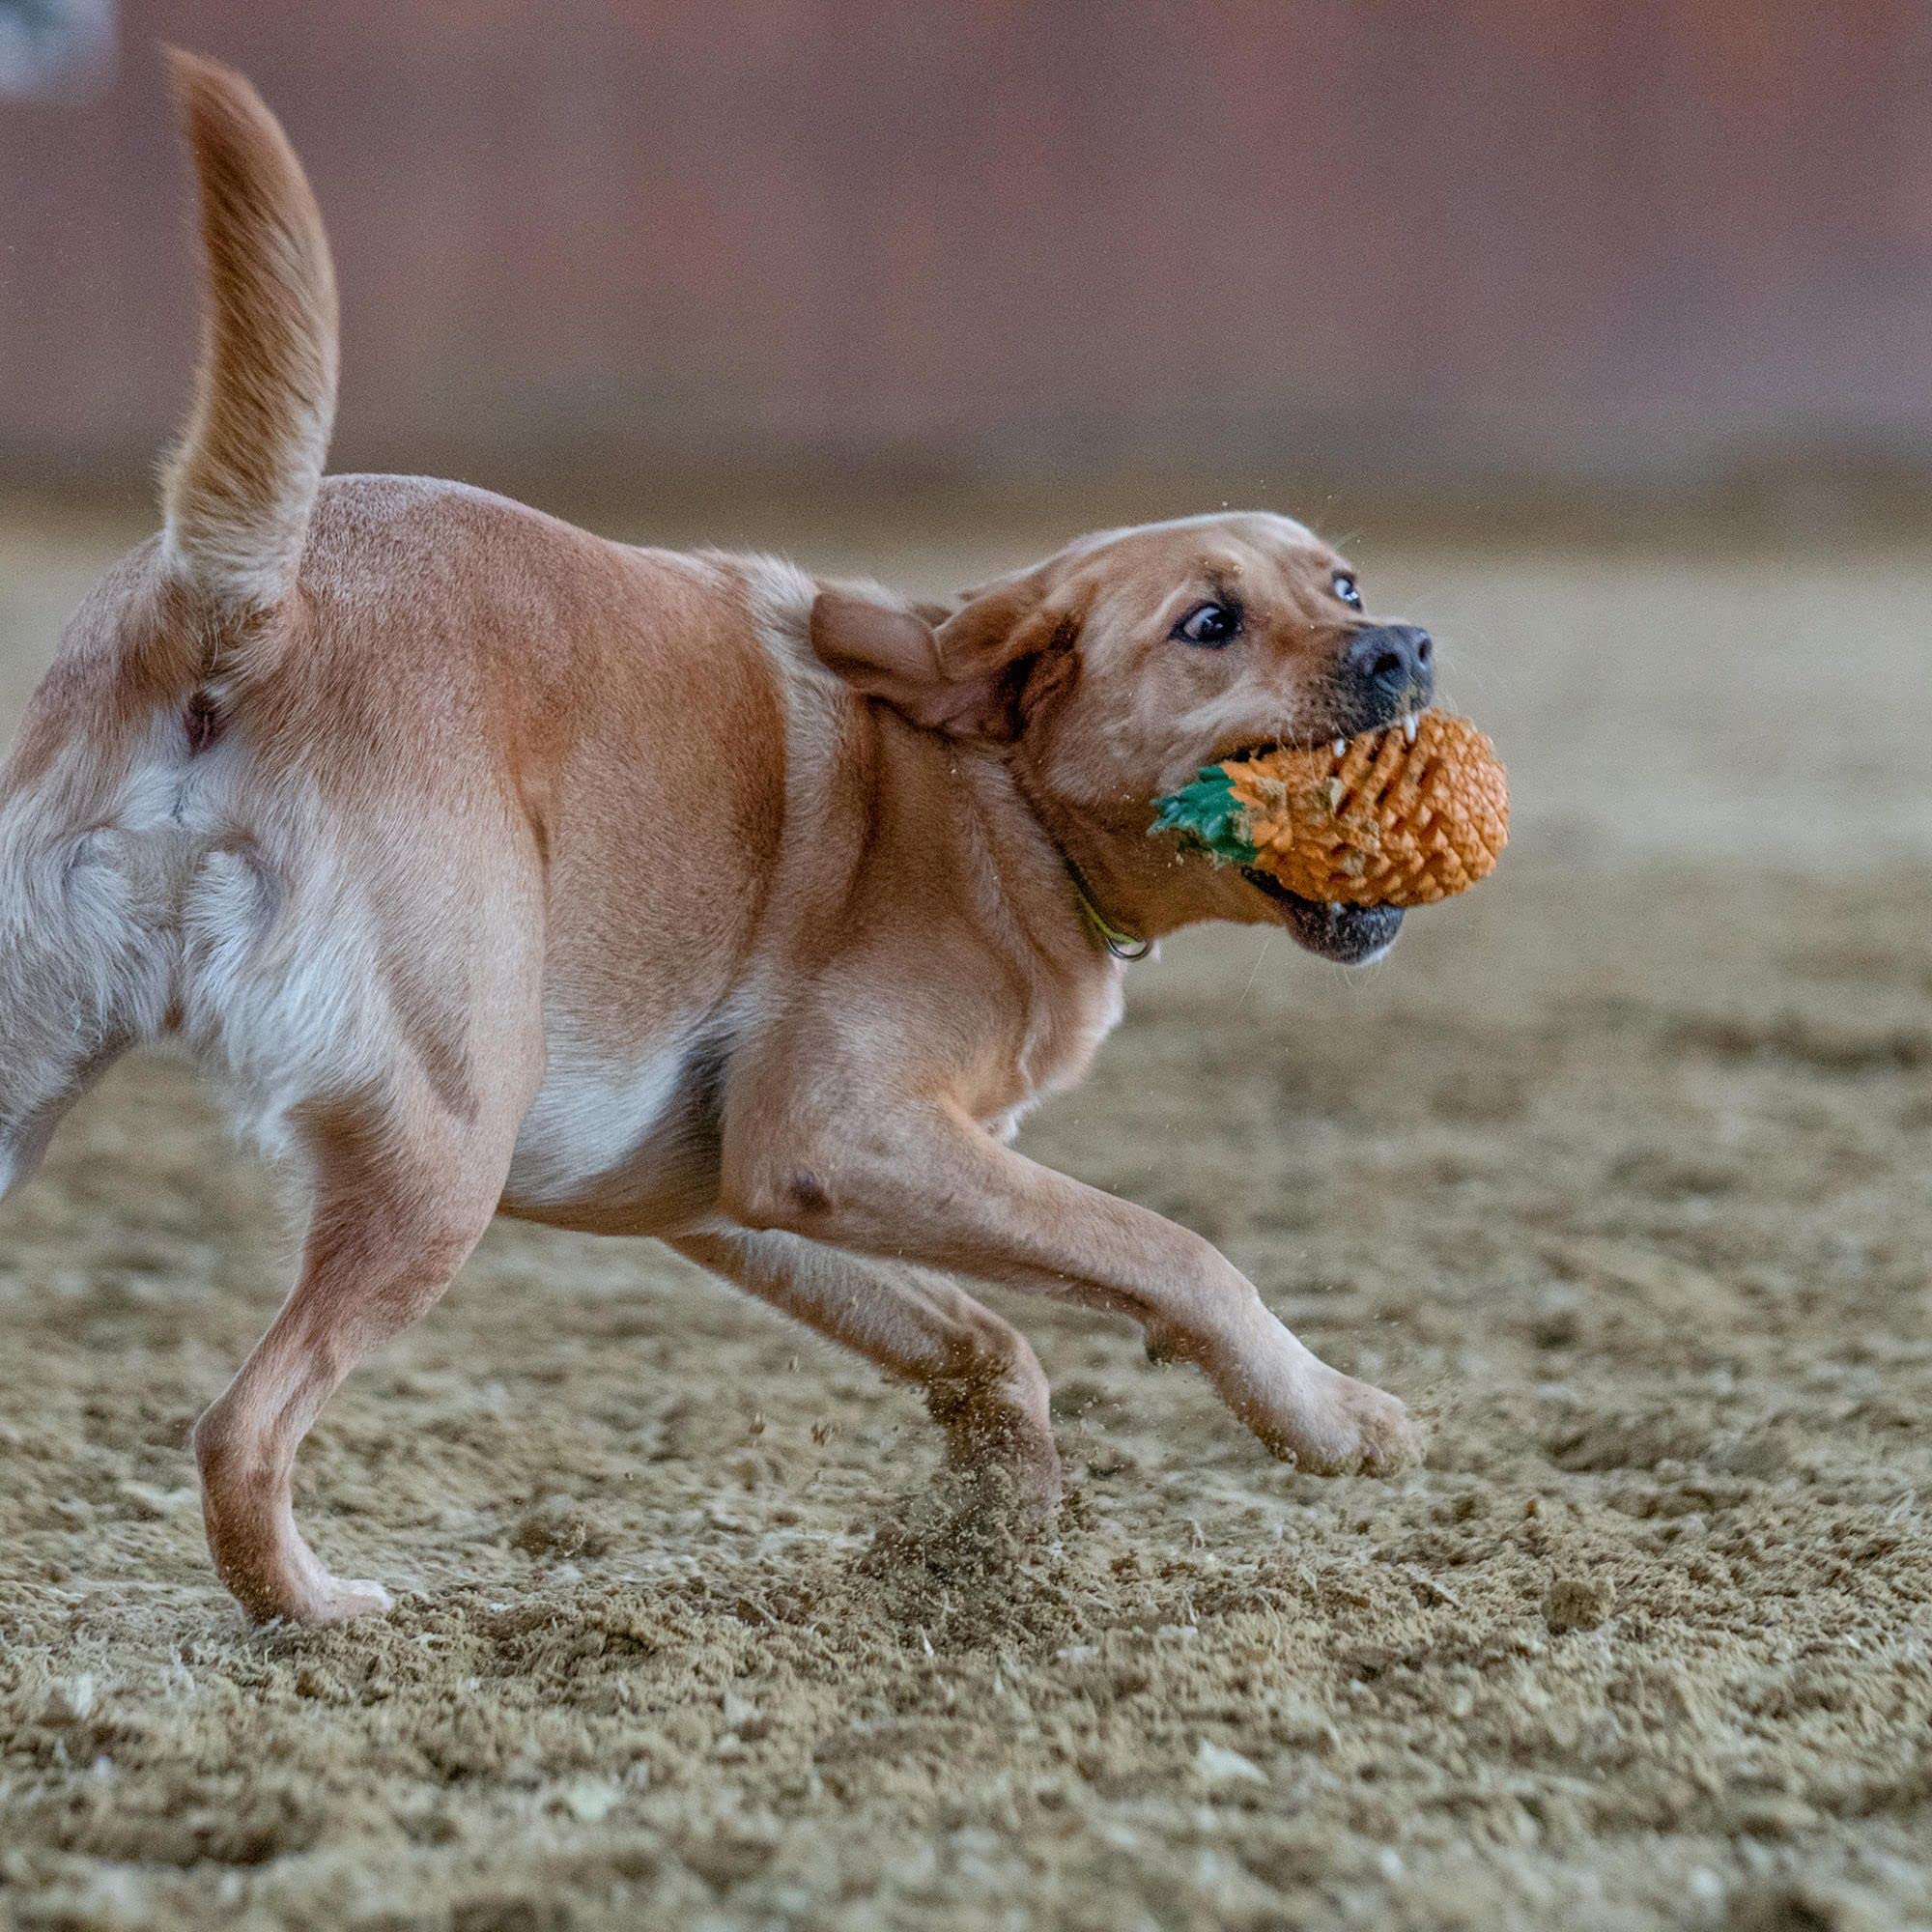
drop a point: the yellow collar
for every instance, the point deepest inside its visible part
(1122, 945)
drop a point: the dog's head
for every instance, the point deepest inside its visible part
(1122, 664)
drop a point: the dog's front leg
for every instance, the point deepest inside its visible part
(980, 1378)
(921, 1182)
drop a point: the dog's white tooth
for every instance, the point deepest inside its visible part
(1340, 748)
(1410, 727)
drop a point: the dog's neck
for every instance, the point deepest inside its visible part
(1138, 886)
(1038, 854)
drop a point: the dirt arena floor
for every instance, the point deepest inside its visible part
(1620, 1172)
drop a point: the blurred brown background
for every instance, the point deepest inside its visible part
(1478, 252)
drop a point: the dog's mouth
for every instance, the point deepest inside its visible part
(1350, 935)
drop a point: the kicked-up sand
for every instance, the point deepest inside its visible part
(1620, 1172)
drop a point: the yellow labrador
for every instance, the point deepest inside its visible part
(499, 867)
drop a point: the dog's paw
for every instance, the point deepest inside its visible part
(333, 1601)
(1305, 1411)
(1346, 1428)
(1004, 1479)
(1327, 1423)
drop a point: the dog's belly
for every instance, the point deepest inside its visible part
(616, 1147)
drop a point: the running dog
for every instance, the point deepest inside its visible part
(497, 867)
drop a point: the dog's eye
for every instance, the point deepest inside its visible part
(1348, 590)
(1209, 624)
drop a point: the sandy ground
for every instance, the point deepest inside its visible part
(1620, 1172)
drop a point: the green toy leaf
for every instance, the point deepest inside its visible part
(1208, 814)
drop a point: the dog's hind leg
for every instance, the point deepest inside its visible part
(84, 973)
(401, 1197)
(26, 1130)
(407, 1165)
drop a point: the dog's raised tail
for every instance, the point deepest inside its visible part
(238, 490)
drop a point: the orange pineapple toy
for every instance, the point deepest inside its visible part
(1400, 817)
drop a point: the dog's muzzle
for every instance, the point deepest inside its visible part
(1386, 673)
(1350, 935)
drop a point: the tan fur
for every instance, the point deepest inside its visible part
(238, 490)
(632, 892)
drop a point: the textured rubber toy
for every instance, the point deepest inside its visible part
(1382, 822)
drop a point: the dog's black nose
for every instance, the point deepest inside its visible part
(1393, 664)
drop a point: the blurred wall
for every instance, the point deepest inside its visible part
(997, 240)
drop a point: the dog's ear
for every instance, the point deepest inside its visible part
(963, 676)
